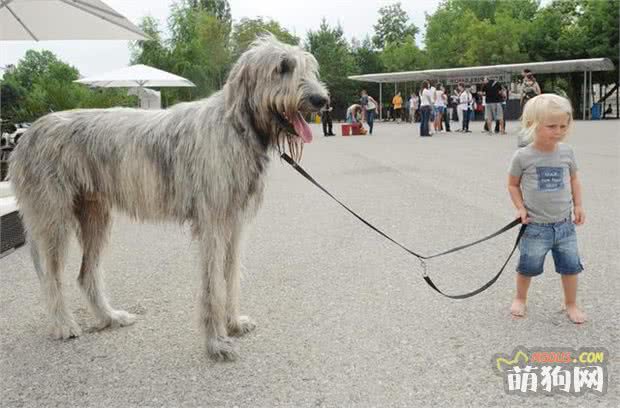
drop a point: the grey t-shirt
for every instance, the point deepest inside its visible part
(545, 181)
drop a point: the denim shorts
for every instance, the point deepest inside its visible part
(539, 239)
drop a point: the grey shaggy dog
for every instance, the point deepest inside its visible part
(201, 163)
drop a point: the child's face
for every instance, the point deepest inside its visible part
(553, 129)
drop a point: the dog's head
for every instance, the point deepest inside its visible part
(274, 85)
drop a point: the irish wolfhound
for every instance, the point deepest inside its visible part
(200, 162)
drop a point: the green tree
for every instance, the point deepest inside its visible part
(220, 9)
(404, 56)
(41, 83)
(197, 50)
(12, 95)
(523, 10)
(43, 64)
(465, 33)
(247, 30)
(600, 26)
(494, 43)
(367, 61)
(152, 52)
(554, 33)
(336, 63)
(393, 26)
(367, 58)
(182, 21)
(443, 39)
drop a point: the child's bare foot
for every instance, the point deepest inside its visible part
(518, 308)
(575, 314)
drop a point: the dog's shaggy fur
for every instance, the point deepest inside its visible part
(200, 162)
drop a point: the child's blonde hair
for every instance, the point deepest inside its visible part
(540, 108)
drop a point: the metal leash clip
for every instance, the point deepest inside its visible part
(424, 267)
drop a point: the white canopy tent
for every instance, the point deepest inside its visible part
(139, 77)
(587, 66)
(38, 20)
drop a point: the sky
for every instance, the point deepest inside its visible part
(298, 16)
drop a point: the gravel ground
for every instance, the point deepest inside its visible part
(344, 318)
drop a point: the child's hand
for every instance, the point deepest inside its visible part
(522, 213)
(580, 215)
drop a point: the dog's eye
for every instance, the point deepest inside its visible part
(286, 66)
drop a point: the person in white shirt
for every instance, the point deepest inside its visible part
(464, 107)
(439, 107)
(426, 103)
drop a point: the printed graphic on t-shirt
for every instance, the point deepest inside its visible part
(550, 178)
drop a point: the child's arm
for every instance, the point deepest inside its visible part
(514, 188)
(580, 214)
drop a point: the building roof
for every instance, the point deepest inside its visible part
(548, 67)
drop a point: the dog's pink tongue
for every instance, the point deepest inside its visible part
(302, 128)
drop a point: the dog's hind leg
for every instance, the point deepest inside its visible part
(94, 228)
(213, 313)
(237, 325)
(49, 251)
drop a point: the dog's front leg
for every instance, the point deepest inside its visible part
(237, 325)
(219, 345)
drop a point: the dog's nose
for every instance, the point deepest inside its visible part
(318, 101)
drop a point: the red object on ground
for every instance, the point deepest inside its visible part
(356, 129)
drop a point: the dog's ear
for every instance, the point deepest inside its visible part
(286, 66)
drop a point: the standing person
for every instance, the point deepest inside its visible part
(501, 126)
(448, 110)
(465, 101)
(326, 117)
(529, 88)
(544, 188)
(433, 91)
(476, 103)
(454, 103)
(439, 107)
(405, 110)
(409, 111)
(397, 101)
(491, 89)
(425, 109)
(416, 107)
(371, 109)
(364, 103)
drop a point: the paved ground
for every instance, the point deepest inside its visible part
(344, 316)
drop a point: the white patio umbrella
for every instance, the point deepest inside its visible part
(41, 20)
(136, 76)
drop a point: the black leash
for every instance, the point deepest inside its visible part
(422, 258)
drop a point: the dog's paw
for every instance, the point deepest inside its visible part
(241, 326)
(64, 331)
(117, 318)
(222, 348)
